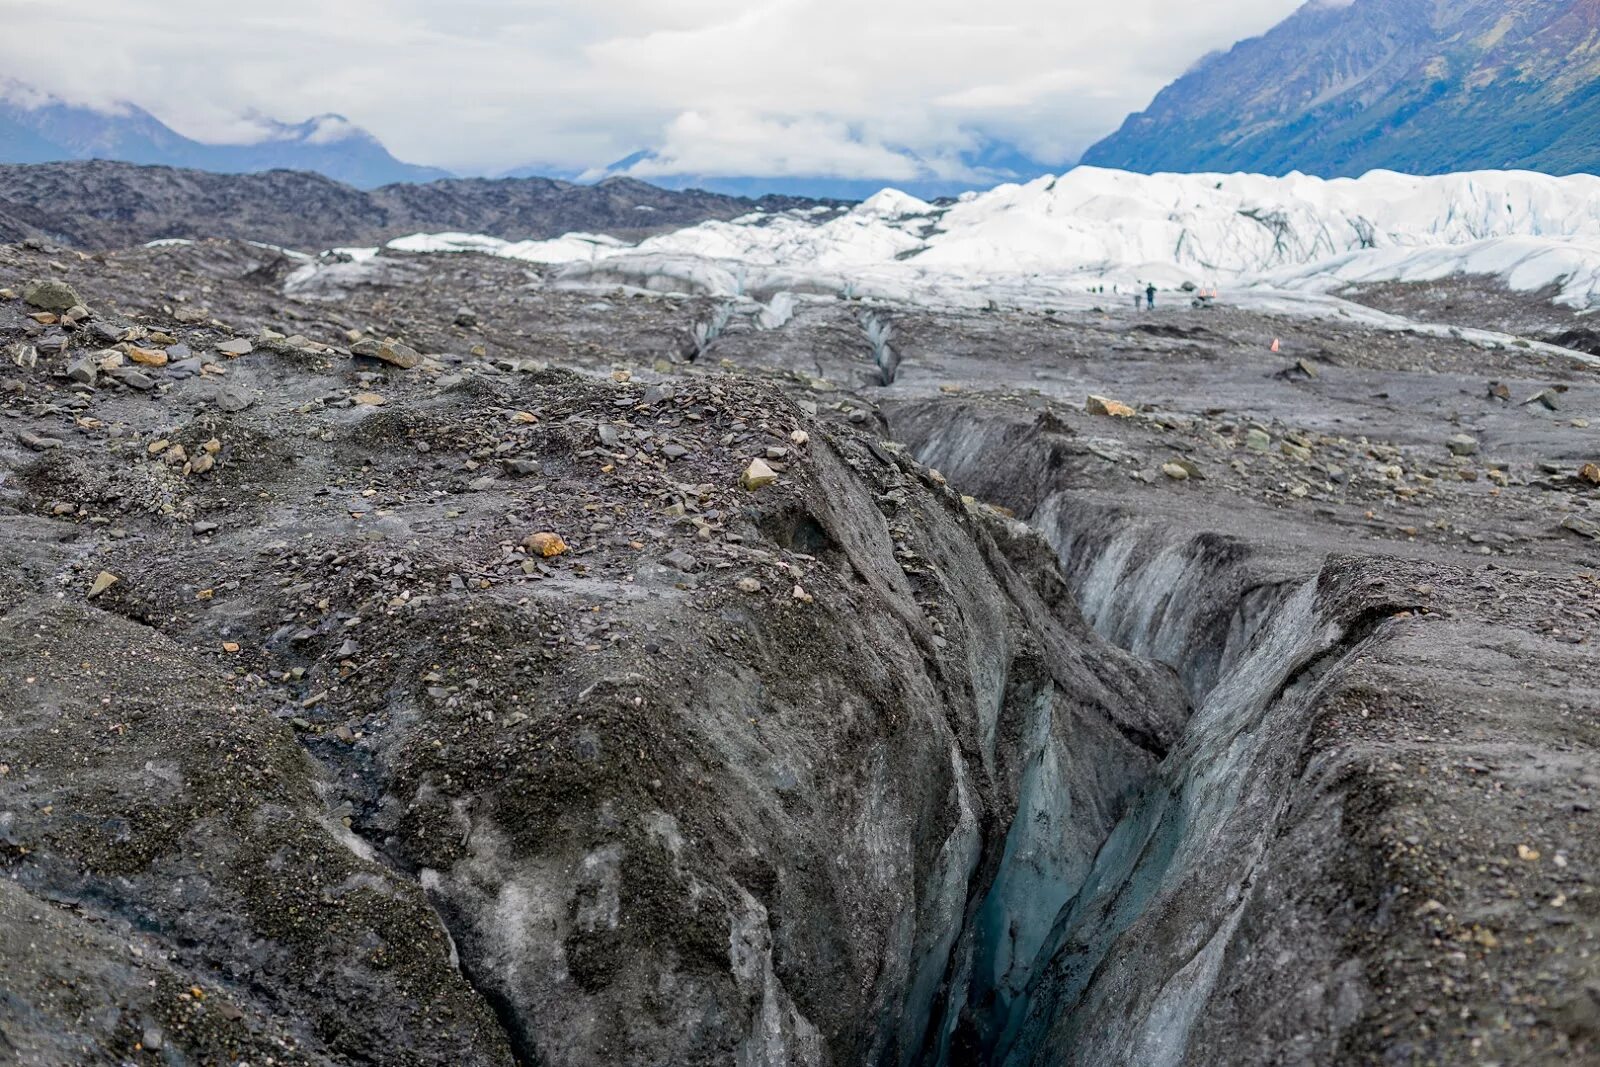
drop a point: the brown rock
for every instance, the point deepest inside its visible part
(150, 357)
(545, 544)
(1100, 405)
(388, 351)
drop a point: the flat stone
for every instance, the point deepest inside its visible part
(1100, 405)
(233, 400)
(133, 379)
(1462, 445)
(239, 346)
(390, 351)
(1582, 527)
(680, 560)
(38, 442)
(1550, 399)
(50, 294)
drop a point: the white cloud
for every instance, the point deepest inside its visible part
(330, 129)
(757, 87)
(742, 142)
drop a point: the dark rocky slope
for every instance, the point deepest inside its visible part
(1420, 86)
(680, 797)
(103, 205)
(1292, 759)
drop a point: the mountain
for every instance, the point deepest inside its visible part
(35, 128)
(100, 204)
(1421, 86)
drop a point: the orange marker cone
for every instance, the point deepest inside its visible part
(1276, 347)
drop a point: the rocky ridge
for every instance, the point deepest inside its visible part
(105, 205)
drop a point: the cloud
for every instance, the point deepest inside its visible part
(752, 87)
(742, 142)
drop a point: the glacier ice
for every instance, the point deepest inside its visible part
(1055, 241)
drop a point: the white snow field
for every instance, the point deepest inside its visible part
(1054, 242)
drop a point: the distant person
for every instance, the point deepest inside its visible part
(1150, 296)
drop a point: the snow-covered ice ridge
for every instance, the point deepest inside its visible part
(1051, 241)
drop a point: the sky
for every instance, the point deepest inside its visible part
(768, 88)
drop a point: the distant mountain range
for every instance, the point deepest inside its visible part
(1422, 86)
(103, 205)
(35, 128)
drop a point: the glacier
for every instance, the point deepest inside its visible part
(1068, 242)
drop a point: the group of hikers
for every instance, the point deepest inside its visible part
(1148, 296)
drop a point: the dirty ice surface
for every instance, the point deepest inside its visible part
(1055, 242)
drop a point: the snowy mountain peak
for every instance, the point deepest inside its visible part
(36, 127)
(326, 129)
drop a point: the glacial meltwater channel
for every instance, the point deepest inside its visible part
(1113, 962)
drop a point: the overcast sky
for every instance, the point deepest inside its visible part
(731, 87)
